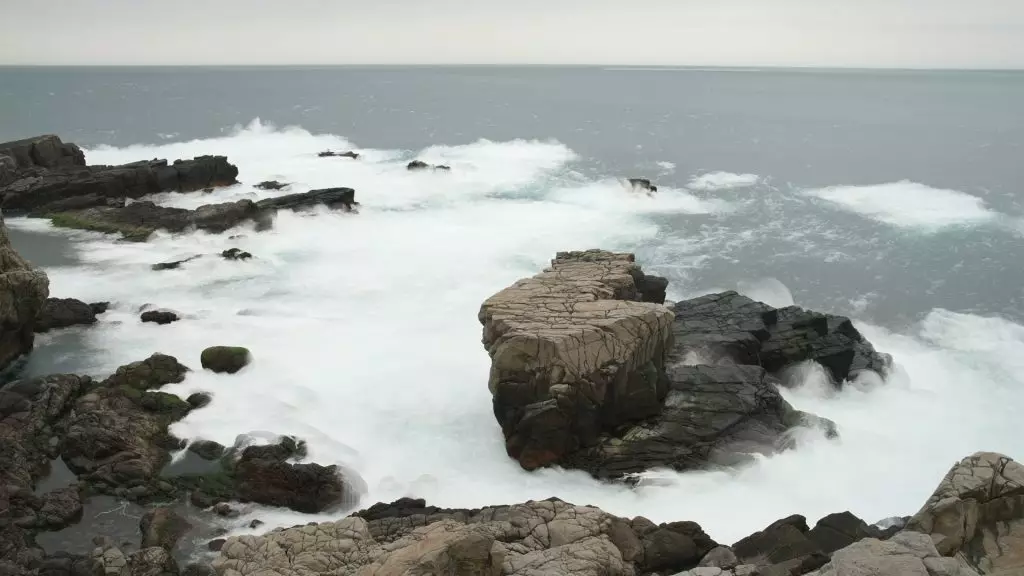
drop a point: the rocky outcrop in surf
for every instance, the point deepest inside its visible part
(50, 176)
(64, 312)
(137, 221)
(23, 293)
(587, 372)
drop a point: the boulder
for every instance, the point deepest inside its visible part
(48, 189)
(160, 317)
(643, 185)
(977, 514)
(235, 254)
(574, 353)
(266, 477)
(109, 560)
(23, 293)
(163, 527)
(64, 312)
(225, 359)
(117, 439)
(199, 400)
(136, 221)
(271, 185)
(906, 554)
(42, 152)
(417, 165)
(330, 154)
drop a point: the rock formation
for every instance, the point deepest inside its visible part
(136, 221)
(225, 359)
(331, 154)
(23, 293)
(65, 312)
(642, 185)
(589, 370)
(417, 165)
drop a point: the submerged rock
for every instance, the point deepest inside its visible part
(642, 184)
(235, 254)
(271, 185)
(64, 312)
(330, 154)
(225, 359)
(417, 165)
(160, 317)
(174, 264)
(23, 293)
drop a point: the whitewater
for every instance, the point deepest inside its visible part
(364, 332)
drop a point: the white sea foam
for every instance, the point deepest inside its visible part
(713, 181)
(908, 204)
(364, 332)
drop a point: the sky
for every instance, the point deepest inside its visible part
(840, 33)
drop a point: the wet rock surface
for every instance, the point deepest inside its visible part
(23, 293)
(225, 359)
(64, 312)
(419, 165)
(160, 317)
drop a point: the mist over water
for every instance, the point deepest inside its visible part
(366, 343)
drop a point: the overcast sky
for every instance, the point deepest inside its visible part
(870, 33)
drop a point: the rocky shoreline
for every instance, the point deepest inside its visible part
(590, 369)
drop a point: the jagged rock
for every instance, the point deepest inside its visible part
(642, 184)
(64, 312)
(748, 332)
(117, 435)
(225, 359)
(906, 554)
(330, 154)
(977, 514)
(99, 307)
(59, 508)
(159, 317)
(263, 475)
(175, 264)
(136, 221)
(163, 527)
(573, 354)
(536, 538)
(23, 293)
(66, 183)
(271, 185)
(417, 165)
(42, 152)
(235, 254)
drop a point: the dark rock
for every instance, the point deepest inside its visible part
(263, 475)
(216, 544)
(224, 509)
(335, 198)
(225, 359)
(23, 293)
(417, 165)
(199, 400)
(59, 508)
(159, 317)
(42, 152)
(643, 184)
(271, 185)
(330, 154)
(64, 312)
(175, 264)
(99, 307)
(207, 449)
(255, 524)
(837, 531)
(235, 254)
(789, 547)
(198, 570)
(163, 527)
(48, 189)
(117, 435)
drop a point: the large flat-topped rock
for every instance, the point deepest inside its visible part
(575, 352)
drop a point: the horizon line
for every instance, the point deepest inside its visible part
(620, 67)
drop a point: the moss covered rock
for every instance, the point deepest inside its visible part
(225, 359)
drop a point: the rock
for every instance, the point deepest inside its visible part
(535, 538)
(199, 400)
(255, 524)
(263, 475)
(174, 264)
(417, 165)
(977, 514)
(271, 185)
(44, 189)
(199, 569)
(235, 254)
(99, 307)
(721, 557)
(573, 355)
(216, 545)
(207, 449)
(159, 317)
(137, 221)
(42, 152)
(23, 293)
(64, 312)
(728, 325)
(837, 531)
(225, 359)
(225, 510)
(163, 527)
(117, 435)
(906, 554)
(642, 184)
(329, 154)
(59, 508)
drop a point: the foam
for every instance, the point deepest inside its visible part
(365, 340)
(907, 204)
(713, 181)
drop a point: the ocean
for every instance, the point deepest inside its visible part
(894, 197)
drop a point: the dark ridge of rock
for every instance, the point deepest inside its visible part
(235, 254)
(642, 184)
(64, 312)
(23, 293)
(588, 373)
(117, 439)
(330, 154)
(733, 326)
(175, 264)
(136, 221)
(271, 185)
(225, 359)
(160, 317)
(48, 189)
(417, 165)
(99, 307)
(42, 152)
